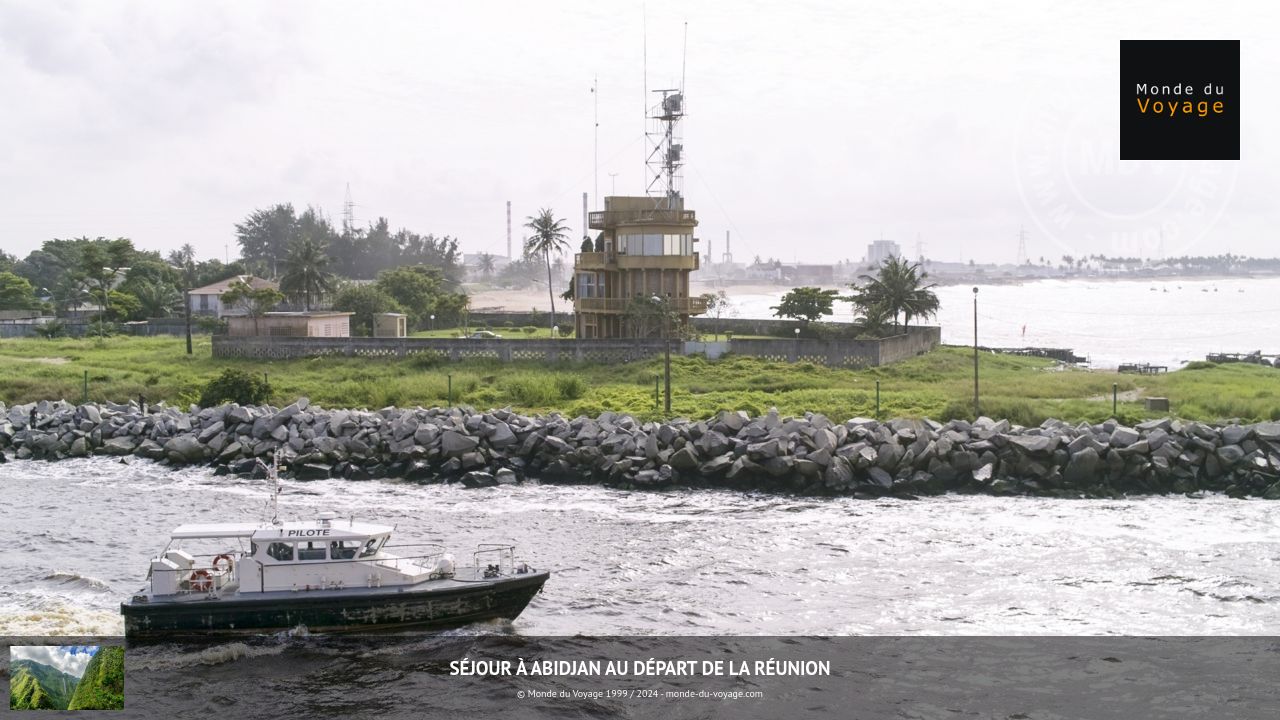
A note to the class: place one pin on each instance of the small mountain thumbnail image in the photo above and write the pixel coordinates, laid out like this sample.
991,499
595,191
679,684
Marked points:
70,677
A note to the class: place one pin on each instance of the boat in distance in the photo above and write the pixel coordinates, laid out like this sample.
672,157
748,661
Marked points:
327,574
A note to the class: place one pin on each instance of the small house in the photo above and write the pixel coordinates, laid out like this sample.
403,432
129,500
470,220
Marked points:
319,324
207,300
393,325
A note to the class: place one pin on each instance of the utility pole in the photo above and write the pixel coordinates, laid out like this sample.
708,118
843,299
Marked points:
976,412
187,301
509,256
664,304
595,96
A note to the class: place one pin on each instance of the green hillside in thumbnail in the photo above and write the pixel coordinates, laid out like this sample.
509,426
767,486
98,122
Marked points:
36,686
102,687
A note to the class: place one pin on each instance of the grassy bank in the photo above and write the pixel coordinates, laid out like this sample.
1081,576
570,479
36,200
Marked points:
937,385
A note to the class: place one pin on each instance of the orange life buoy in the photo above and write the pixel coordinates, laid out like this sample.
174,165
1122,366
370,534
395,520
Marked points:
220,558
201,581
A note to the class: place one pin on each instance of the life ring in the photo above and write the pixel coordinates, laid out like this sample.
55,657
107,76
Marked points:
201,581
230,562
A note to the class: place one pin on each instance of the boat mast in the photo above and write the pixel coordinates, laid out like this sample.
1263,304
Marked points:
274,474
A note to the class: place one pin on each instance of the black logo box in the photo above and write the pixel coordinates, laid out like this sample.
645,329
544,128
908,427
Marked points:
1189,65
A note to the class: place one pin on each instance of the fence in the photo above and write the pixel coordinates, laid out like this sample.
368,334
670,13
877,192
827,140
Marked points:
80,329
280,348
836,353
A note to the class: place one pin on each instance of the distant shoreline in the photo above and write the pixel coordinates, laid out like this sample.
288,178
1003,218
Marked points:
497,300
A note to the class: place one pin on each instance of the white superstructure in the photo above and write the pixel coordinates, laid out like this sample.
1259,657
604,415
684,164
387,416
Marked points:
322,554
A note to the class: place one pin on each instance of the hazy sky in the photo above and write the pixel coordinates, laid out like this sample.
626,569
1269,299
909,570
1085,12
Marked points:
813,127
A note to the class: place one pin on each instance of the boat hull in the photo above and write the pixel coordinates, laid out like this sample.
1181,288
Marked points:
433,605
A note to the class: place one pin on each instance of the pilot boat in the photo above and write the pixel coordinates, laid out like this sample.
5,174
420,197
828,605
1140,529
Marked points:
327,574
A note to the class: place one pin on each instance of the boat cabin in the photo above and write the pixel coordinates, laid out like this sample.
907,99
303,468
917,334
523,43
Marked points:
325,553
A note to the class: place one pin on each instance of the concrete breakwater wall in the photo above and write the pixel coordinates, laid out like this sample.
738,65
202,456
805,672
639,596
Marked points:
810,454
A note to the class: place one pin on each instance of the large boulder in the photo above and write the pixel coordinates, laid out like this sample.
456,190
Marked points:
1124,437
122,445
184,449
1082,467
455,444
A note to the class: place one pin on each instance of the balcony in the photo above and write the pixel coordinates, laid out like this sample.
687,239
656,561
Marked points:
607,261
680,306
601,219
591,261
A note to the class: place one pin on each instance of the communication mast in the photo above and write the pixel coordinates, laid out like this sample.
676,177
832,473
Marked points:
1022,246
348,213
666,143
666,148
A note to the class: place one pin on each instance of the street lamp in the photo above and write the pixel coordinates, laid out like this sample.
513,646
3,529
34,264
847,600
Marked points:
666,353
796,350
976,413
433,323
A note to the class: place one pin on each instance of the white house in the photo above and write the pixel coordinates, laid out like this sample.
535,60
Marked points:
207,300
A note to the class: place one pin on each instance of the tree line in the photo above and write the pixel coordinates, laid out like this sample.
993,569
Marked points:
269,235
364,270
110,275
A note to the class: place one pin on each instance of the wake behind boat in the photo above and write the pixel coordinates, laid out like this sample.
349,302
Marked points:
328,574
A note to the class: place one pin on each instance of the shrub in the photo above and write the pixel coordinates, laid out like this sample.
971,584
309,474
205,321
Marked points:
101,328
531,389
236,386
528,330
211,325
570,387
50,330
1200,365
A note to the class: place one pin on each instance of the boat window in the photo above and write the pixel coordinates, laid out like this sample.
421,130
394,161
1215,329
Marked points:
311,552
280,551
343,549
371,547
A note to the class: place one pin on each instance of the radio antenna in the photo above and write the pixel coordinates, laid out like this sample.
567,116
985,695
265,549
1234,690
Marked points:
274,474
684,55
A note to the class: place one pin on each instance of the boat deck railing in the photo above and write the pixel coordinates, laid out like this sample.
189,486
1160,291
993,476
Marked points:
497,552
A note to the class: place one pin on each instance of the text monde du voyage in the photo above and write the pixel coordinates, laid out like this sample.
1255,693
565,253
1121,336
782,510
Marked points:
1180,100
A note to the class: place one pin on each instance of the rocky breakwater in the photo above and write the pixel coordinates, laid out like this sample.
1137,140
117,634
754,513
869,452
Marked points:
809,454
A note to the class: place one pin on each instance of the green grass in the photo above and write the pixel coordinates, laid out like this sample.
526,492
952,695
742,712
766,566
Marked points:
937,385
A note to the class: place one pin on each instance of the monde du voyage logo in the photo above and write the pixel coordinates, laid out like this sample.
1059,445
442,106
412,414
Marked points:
1179,99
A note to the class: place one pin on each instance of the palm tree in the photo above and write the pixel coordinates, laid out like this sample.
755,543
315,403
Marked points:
896,290
306,273
486,264
159,300
549,235
182,257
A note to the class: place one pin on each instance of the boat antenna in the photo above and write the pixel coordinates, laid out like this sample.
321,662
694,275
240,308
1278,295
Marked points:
274,475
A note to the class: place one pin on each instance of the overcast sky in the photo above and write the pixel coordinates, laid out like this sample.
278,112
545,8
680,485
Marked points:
813,127
70,659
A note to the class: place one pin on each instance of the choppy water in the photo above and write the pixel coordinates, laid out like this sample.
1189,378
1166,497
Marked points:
1163,322
78,534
